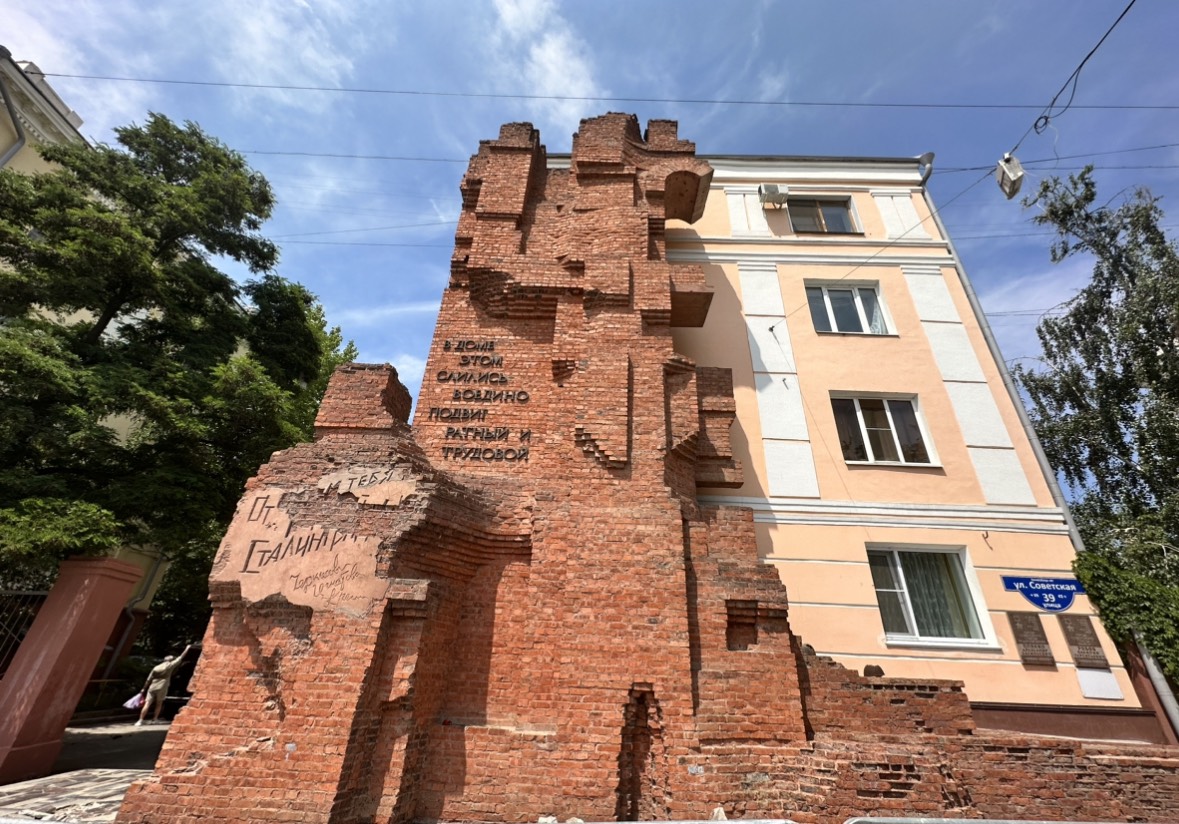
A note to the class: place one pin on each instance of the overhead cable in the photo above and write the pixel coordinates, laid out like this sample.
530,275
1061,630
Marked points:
698,101
1041,122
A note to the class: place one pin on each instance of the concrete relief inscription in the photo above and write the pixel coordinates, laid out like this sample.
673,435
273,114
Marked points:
315,566
371,486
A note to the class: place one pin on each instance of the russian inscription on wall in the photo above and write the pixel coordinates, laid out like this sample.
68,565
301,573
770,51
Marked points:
312,566
476,371
1030,639
1083,642
372,486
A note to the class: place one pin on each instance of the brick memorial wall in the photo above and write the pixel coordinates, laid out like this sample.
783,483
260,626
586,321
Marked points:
516,606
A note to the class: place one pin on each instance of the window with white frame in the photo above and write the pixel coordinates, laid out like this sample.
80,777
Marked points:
844,308
923,595
822,216
880,430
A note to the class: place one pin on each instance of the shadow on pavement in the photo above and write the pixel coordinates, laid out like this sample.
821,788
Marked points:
111,747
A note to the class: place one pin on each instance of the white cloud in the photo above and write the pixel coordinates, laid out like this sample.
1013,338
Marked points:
1031,296
265,41
373,315
772,85
85,38
277,41
522,18
534,48
410,368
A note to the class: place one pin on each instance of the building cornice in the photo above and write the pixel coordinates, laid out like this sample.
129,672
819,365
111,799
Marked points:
682,237
825,171
784,253
755,169
1040,520
38,115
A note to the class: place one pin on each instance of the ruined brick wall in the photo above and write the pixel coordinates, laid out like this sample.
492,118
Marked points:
553,365
517,607
839,700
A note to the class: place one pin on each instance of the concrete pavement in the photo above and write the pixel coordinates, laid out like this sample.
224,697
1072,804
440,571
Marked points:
96,766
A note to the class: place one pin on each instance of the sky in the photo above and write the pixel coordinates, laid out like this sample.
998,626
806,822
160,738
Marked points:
367,172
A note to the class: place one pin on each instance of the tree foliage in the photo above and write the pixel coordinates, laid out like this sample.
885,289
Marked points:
1105,403
140,385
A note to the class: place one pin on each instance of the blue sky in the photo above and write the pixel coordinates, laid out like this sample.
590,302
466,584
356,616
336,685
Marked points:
372,237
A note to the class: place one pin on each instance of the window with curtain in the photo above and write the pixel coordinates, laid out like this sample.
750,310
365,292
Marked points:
822,216
923,595
879,430
843,308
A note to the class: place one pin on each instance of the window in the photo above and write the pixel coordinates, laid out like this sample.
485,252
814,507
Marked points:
923,595
824,216
846,309
879,430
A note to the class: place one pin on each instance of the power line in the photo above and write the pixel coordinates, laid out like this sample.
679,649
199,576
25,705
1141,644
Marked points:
687,101
368,229
359,243
1068,157
346,156
1041,122
1005,235
359,156
1074,168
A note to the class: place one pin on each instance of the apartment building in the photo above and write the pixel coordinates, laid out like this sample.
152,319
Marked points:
896,486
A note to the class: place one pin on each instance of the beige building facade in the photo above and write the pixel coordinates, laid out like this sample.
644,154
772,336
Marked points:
893,479
32,115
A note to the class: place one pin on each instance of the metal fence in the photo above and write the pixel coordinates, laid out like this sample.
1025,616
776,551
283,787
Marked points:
18,609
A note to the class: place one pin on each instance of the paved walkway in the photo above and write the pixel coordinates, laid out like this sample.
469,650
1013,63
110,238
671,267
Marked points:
96,766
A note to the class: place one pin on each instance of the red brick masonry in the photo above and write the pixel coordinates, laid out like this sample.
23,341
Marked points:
518,608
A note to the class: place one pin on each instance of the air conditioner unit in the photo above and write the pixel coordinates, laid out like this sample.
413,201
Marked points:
772,194
1009,175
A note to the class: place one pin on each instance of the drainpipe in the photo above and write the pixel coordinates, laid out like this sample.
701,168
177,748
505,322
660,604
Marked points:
1157,679
11,151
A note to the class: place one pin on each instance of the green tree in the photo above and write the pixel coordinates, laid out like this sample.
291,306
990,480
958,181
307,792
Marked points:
130,410
1105,404
180,608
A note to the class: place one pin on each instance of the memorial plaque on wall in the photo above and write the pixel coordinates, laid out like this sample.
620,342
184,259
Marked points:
1030,639
1083,642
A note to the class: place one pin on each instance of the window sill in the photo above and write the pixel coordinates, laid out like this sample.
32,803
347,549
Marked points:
968,644
858,334
820,234
892,464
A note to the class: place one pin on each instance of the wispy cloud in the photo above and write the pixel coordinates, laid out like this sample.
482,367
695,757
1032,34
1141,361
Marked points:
534,48
265,41
75,38
1015,306
283,42
373,315
409,368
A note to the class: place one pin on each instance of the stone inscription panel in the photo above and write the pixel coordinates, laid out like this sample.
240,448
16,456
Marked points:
1030,639
481,385
1083,642
314,566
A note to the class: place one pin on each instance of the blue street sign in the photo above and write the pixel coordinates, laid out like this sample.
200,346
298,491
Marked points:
1048,594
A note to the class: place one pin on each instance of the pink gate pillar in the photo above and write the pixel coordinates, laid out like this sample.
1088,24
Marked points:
43,685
